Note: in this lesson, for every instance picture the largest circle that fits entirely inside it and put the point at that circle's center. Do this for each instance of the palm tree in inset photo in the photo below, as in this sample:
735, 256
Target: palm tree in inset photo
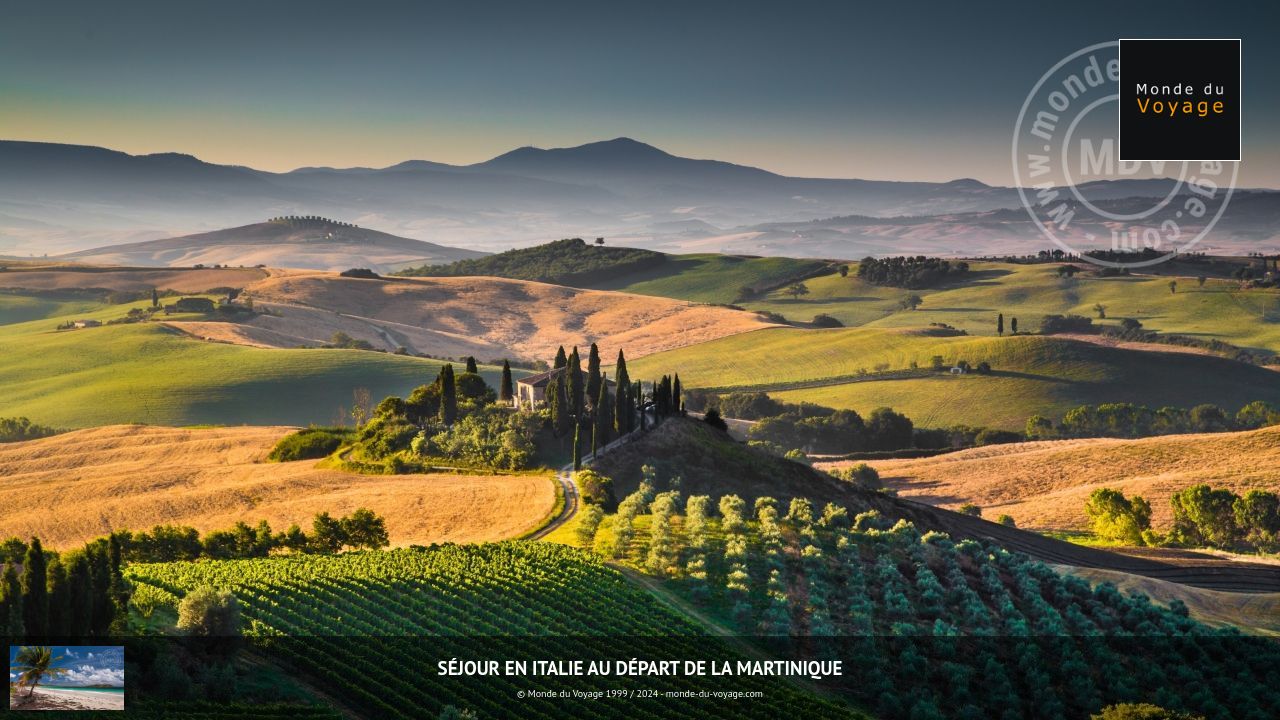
33, 663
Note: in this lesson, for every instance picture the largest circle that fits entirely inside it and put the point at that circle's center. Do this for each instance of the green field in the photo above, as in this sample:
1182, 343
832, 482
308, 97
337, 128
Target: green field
23, 308
1031, 374
371, 628
1248, 318
150, 373
710, 278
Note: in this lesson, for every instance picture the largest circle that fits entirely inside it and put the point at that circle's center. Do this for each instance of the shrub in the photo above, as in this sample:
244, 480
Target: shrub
712, 418
970, 509
992, 436
823, 320
1006, 520
309, 444
210, 613
1115, 517
1051, 324
595, 489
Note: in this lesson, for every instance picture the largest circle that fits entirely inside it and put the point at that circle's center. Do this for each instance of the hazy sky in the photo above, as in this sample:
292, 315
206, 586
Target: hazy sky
876, 90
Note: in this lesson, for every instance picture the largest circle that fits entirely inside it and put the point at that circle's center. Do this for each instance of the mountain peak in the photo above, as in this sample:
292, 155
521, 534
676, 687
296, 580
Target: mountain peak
621, 148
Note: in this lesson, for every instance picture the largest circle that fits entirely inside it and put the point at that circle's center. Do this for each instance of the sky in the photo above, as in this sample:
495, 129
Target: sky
899, 91
85, 665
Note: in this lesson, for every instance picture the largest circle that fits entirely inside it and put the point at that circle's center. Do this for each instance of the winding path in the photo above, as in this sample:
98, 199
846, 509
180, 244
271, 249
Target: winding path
565, 478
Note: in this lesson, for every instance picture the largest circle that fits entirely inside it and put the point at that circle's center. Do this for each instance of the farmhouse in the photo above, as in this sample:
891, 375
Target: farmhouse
191, 304
531, 390
87, 323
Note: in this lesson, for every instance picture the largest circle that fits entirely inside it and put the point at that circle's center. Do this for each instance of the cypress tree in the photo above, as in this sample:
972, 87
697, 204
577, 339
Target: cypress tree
561, 361
505, 390
448, 395
677, 400
604, 419
577, 446
1000, 324
11, 601
576, 386
644, 417
622, 406
103, 608
1013, 326
558, 405
155, 298
471, 365
59, 598
593, 373
35, 591
80, 592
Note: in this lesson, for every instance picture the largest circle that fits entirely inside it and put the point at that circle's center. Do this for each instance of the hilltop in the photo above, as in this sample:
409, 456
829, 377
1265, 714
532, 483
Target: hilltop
131, 476
312, 243
563, 262
1045, 484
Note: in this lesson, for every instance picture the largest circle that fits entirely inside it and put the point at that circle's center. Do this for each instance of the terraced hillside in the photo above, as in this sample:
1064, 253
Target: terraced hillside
865, 368
92, 482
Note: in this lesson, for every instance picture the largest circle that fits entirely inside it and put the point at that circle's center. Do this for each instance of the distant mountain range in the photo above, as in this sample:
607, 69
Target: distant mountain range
64, 198
316, 244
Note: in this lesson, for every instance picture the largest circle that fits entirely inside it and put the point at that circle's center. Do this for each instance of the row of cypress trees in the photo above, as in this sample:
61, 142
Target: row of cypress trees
45, 594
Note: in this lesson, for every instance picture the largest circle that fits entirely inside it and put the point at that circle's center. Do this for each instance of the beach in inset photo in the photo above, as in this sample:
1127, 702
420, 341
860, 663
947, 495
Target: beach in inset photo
66, 677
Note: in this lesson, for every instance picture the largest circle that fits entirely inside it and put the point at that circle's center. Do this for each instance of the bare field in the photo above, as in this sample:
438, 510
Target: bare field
1044, 485
486, 317
73, 487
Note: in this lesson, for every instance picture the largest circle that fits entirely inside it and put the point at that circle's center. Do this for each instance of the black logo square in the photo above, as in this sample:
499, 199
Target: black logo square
1180, 100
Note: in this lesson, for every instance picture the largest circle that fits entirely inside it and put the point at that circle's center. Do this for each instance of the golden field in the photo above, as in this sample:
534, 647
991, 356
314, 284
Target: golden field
1044, 485
73, 487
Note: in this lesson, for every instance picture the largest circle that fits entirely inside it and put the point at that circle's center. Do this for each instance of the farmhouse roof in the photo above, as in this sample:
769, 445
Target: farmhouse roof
542, 378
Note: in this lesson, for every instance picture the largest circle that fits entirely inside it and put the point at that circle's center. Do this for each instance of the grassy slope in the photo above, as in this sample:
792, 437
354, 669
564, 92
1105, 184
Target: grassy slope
152, 374
1249, 318
1033, 374
709, 277
24, 308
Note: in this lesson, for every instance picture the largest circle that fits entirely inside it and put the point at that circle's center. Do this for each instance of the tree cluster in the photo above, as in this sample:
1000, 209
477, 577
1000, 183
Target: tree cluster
910, 272
1126, 420
80, 593
562, 262
362, 529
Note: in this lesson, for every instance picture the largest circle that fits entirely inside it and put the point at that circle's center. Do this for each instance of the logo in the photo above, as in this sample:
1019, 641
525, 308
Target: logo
1082, 196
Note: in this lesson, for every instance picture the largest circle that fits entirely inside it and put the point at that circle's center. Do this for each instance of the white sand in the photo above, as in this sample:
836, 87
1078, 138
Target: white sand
64, 699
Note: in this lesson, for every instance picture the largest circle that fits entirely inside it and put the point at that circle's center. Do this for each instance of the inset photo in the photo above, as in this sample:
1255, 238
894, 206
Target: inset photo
66, 677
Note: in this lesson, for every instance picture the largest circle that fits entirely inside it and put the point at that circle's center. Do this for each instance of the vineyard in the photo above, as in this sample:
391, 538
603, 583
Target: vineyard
371, 627
932, 628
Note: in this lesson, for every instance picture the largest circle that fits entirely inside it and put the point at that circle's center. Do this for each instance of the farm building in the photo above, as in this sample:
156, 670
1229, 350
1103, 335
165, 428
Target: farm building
531, 391
87, 323
192, 304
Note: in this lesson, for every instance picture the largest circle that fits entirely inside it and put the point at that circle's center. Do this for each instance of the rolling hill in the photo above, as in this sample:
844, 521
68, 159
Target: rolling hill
1031, 374
311, 244
487, 317
152, 373
131, 476
1044, 485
